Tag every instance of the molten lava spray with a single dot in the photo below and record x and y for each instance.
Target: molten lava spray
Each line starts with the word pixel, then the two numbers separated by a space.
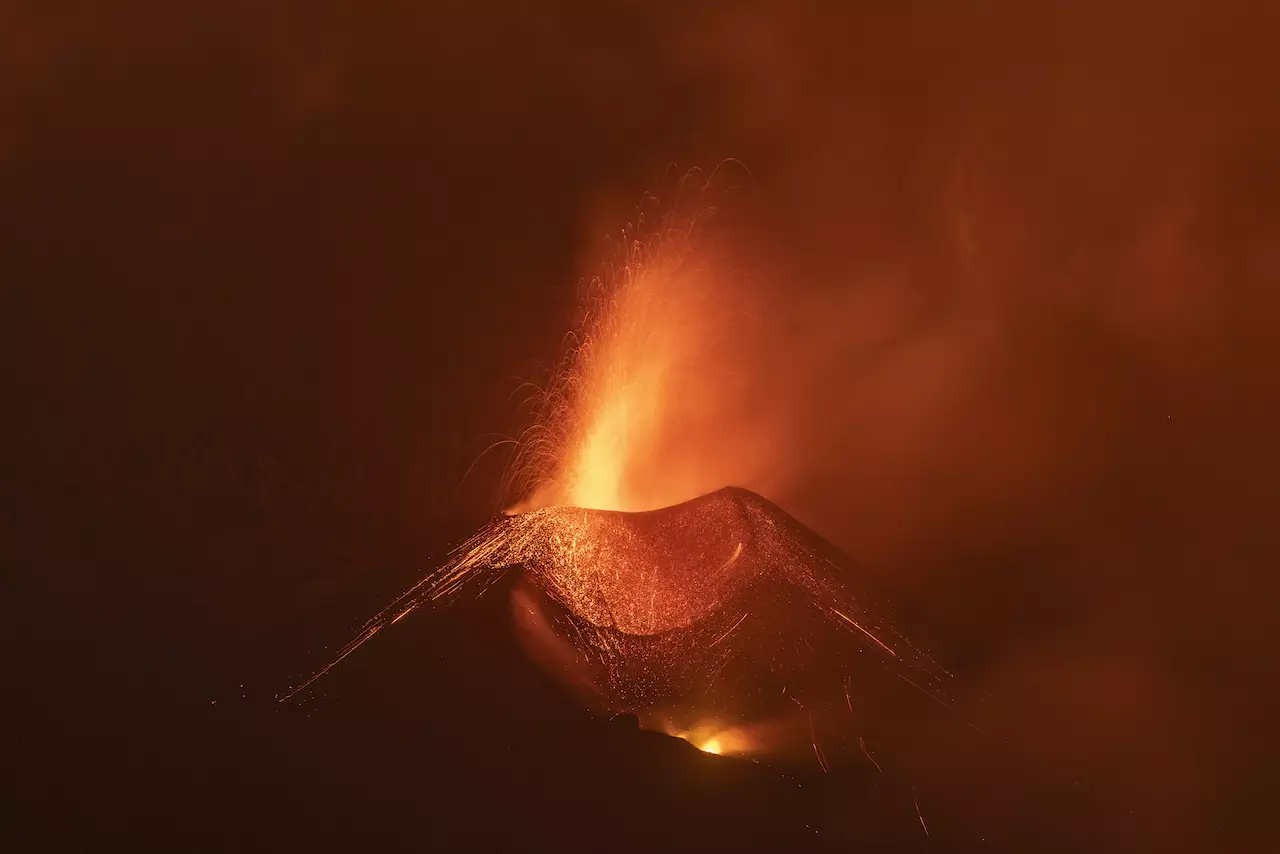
pixel 706 610
pixel 656 354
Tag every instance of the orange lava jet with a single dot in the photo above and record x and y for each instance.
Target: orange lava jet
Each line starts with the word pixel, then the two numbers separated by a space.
pixel 635 417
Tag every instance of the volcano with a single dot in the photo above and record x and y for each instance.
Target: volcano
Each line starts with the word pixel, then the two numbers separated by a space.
pixel 723 620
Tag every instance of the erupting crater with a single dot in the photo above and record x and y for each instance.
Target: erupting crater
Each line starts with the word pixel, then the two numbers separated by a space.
pixel 722 620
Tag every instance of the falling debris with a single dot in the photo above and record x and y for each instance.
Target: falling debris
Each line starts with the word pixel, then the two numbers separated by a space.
pixel 863 744
pixel 919 815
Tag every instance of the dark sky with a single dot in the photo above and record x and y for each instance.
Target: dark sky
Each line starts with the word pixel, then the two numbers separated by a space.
pixel 270 273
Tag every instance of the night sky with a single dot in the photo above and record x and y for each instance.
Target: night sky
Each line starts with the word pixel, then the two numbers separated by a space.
pixel 270 274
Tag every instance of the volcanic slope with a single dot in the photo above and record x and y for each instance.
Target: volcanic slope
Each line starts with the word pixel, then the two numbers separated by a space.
pixel 723 608
pixel 723 611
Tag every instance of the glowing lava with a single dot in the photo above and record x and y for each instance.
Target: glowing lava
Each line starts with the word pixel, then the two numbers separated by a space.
pixel 712 746
pixel 654 363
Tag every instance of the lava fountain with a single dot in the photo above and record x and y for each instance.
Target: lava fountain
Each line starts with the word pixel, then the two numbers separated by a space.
pixel 706 610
